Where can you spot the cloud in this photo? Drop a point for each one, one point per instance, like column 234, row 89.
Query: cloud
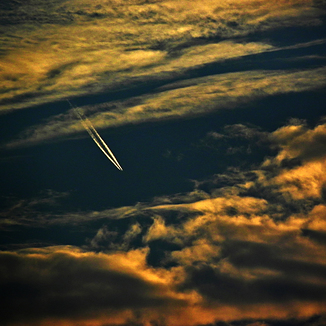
column 298, row 141
column 245, row 247
column 112, row 240
column 45, row 286
column 236, row 254
column 233, row 267
column 236, row 131
column 236, row 139
column 46, row 210
column 229, row 265
column 251, row 247
column 32, row 211
column 39, row 75
column 307, row 181
column 305, row 148
column 90, row 46
column 212, row 93
column 246, row 260
column 292, row 180
column 159, row 230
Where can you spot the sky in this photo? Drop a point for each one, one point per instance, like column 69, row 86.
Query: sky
column 215, row 110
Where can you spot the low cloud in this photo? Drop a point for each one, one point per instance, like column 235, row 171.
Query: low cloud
column 299, row 141
column 305, row 148
column 251, row 247
column 44, row 286
column 112, row 240
column 227, row 267
column 307, row 181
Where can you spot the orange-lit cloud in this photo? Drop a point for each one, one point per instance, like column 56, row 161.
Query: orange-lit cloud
column 212, row 93
column 307, row 181
column 298, row 141
column 306, row 149
column 236, row 253
column 91, row 46
column 230, row 265
column 66, row 283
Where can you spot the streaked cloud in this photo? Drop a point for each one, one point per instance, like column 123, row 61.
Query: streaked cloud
column 212, row 93
column 30, row 211
column 45, row 210
column 90, row 46
column 245, row 246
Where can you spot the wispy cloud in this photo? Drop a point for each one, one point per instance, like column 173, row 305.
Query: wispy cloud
column 92, row 46
column 296, row 171
column 32, row 211
column 212, row 93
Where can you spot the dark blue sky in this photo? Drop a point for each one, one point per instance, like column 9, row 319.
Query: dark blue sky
column 216, row 112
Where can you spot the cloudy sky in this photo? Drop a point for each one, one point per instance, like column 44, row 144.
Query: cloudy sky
column 215, row 110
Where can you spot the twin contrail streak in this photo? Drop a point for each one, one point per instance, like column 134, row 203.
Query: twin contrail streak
column 97, row 138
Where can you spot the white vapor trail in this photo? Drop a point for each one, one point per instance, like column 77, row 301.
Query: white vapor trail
column 97, row 138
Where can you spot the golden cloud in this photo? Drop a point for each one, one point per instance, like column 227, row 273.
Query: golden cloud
column 307, row 146
column 82, row 285
column 298, row 141
column 94, row 45
column 212, row 93
column 225, row 270
column 224, row 258
column 307, row 181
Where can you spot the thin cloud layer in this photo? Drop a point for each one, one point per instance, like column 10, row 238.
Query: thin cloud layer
column 89, row 46
column 212, row 93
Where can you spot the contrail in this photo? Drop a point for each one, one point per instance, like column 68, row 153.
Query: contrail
column 103, row 143
column 98, row 141
column 93, row 133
